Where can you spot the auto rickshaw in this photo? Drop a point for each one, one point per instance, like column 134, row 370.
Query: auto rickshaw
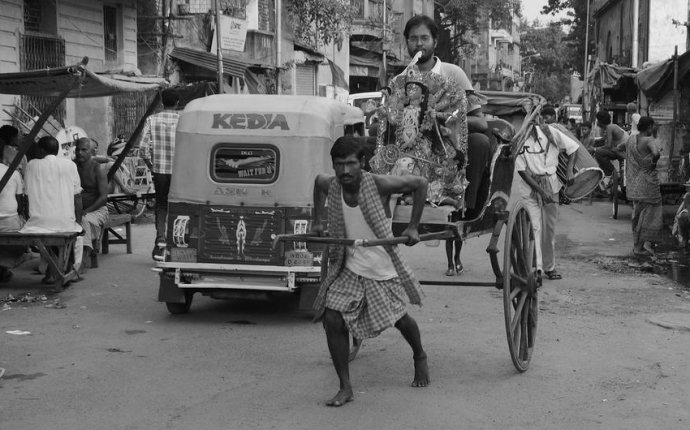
column 243, row 170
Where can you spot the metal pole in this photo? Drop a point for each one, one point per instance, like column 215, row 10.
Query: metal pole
column 675, row 112
column 383, row 45
column 585, row 88
column 279, row 42
column 219, row 52
column 636, row 32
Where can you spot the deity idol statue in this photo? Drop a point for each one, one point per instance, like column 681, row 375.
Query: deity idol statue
column 423, row 118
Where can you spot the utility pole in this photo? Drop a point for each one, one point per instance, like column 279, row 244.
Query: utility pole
column 585, row 72
column 384, row 81
column 219, row 51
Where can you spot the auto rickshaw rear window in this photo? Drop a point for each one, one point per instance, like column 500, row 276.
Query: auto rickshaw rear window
column 246, row 164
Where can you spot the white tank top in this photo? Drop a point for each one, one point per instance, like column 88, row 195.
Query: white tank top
column 370, row 262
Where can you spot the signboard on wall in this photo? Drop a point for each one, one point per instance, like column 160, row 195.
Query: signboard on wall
column 233, row 33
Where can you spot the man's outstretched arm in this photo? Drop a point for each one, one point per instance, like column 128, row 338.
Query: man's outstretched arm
column 321, row 185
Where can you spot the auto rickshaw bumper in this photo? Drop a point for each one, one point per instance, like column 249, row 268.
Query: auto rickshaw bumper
column 176, row 277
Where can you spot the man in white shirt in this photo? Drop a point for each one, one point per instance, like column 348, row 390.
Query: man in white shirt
column 538, row 188
column 54, row 191
column 10, row 196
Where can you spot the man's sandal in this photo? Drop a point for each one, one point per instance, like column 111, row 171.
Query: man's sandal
column 552, row 274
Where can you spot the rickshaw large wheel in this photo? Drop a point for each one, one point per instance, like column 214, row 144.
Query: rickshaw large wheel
column 356, row 343
column 520, row 283
column 181, row 308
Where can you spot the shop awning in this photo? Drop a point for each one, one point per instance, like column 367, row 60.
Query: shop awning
column 209, row 61
column 52, row 82
column 657, row 80
column 611, row 77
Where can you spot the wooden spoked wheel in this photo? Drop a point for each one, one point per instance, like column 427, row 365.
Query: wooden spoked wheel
column 520, row 283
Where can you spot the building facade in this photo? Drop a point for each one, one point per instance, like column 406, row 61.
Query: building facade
column 38, row 34
column 495, row 64
column 377, row 28
column 657, row 34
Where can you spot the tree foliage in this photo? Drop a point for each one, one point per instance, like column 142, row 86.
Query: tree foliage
column 460, row 20
column 576, row 18
column 547, row 60
column 320, row 21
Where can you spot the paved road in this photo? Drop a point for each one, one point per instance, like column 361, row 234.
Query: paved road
column 114, row 358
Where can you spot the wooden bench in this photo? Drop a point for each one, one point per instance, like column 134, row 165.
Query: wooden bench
column 60, row 263
column 116, row 220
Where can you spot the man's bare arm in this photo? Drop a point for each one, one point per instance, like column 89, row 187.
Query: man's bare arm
column 546, row 197
column 321, row 185
column 78, row 212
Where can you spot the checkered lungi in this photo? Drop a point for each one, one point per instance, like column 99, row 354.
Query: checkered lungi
column 368, row 306
column 93, row 224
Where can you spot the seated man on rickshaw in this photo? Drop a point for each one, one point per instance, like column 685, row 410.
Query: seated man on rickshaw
column 615, row 139
column 424, row 124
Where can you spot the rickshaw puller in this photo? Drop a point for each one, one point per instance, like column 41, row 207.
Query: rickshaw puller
column 363, row 290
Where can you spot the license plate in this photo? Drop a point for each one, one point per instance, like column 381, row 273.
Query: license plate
column 299, row 258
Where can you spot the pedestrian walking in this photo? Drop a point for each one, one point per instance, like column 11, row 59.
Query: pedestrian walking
column 539, row 185
column 643, row 187
column 158, row 151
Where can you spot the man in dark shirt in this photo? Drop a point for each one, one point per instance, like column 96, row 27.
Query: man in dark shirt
column 94, row 183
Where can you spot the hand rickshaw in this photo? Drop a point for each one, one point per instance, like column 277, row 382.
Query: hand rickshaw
column 516, row 273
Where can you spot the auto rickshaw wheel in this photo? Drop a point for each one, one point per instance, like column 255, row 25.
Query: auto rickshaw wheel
column 181, row 308
column 521, row 281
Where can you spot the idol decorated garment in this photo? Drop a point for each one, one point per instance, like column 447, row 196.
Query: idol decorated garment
column 424, row 123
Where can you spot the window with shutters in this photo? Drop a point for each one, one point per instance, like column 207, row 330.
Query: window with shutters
column 305, row 75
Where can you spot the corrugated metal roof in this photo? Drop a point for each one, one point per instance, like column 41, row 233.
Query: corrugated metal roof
column 209, row 61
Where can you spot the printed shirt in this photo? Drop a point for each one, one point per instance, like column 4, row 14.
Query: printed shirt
column 158, row 140
column 541, row 158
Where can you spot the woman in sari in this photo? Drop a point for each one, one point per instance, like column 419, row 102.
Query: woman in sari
column 643, row 187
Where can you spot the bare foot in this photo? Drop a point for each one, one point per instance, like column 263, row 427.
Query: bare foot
column 344, row 395
column 421, row 372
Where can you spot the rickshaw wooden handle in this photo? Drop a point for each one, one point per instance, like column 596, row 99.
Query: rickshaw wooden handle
column 446, row 234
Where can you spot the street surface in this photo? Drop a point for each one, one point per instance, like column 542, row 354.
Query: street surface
column 107, row 355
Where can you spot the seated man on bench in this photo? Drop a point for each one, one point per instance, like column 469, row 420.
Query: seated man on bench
column 54, row 192
column 94, row 183
column 11, row 197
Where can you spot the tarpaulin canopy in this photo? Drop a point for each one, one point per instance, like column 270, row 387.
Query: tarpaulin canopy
column 657, row 80
column 52, row 82
column 611, row 76
column 74, row 81
column 502, row 103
